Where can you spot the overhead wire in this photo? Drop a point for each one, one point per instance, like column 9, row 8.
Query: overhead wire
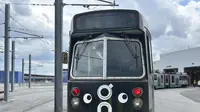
column 14, row 18
column 19, row 23
column 25, row 33
column 33, row 4
column 24, row 28
column 36, row 31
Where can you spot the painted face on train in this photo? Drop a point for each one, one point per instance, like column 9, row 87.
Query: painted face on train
column 107, row 97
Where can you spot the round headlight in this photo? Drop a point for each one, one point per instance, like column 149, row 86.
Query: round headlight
column 75, row 102
column 137, row 103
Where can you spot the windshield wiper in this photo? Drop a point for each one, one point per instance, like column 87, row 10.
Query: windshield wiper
column 135, row 56
column 78, row 55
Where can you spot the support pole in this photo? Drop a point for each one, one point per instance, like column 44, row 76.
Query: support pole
column 13, row 67
column 6, row 55
column 29, row 84
column 58, row 100
column 23, row 71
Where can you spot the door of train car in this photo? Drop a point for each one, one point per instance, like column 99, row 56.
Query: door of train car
column 173, row 80
column 166, row 80
column 155, row 80
column 177, row 81
column 162, row 81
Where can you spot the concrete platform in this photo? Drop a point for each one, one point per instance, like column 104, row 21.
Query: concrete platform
column 41, row 99
column 36, row 99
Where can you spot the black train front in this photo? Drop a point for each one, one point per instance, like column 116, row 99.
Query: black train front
column 110, row 63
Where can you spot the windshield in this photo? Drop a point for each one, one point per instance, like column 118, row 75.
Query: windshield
column 124, row 59
column 183, row 77
column 88, row 59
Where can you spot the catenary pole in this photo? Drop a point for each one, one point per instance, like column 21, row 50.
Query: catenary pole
column 6, row 52
column 58, row 100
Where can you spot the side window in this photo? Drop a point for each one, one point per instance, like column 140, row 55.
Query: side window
column 173, row 80
column 167, row 79
column 155, row 77
column 161, row 78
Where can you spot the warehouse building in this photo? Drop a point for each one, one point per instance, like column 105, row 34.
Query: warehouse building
column 187, row 61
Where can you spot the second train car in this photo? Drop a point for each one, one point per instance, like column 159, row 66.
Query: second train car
column 172, row 80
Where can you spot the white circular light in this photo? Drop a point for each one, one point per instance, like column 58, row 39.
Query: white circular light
column 107, row 96
column 121, row 99
column 137, row 103
column 85, row 98
column 75, row 102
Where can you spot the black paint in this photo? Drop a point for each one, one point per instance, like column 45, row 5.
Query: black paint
column 91, row 87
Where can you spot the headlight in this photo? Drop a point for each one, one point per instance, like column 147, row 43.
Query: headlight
column 137, row 103
column 75, row 102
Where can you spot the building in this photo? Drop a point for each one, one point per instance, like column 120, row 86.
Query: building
column 34, row 77
column 38, row 77
column 18, row 77
column 187, row 60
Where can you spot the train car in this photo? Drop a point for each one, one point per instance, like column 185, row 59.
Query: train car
column 110, row 63
column 166, row 80
column 159, row 82
column 183, row 80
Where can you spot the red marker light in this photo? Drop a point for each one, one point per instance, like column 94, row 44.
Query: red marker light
column 75, row 91
column 132, row 16
column 137, row 91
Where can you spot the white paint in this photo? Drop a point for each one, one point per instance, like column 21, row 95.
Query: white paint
column 111, row 85
column 109, row 92
column 85, row 98
column 121, row 99
column 106, row 104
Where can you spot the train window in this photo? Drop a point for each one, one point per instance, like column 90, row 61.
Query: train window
column 167, row 79
column 155, row 77
column 173, row 79
column 183, row 77
column 124, row 59
column 161, row 78
column 88, row 59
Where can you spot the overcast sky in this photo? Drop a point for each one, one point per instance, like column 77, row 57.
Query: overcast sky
column 175, row 25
